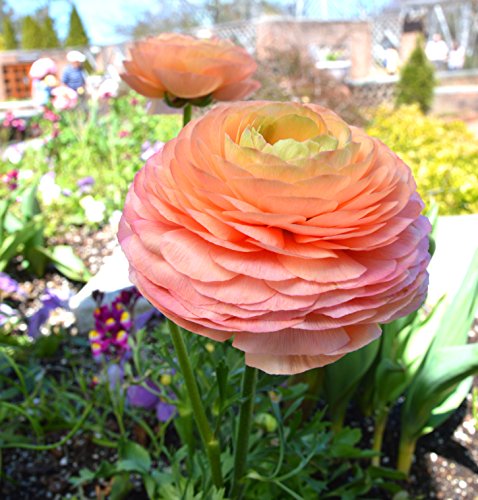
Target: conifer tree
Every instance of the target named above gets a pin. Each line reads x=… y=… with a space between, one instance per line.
x=77 y=36
x=417 y=80
x=32 y=36
x=50 y=37
x=10 y=41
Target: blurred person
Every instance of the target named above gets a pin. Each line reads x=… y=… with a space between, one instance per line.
x=456 y=57
x=437 y=52
x=74 y=75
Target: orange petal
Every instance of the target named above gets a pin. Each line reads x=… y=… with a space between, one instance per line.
x=287 y=365
x=292 y=342
x=187 y=85
x=142 y=86
x=236 y=91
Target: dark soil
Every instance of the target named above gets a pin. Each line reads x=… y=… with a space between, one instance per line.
x=446 y=465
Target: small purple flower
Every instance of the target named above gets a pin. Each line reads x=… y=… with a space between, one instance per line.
x=8 y=284
x=141 y=397
x=85 y=184
x=51 y=300
x=164 y=411
x=114 y=374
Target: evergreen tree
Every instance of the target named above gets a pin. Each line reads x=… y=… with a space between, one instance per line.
x=10 y=41
x=77 y=36
x=417 y=80
x=50 y=38
x=32 y=36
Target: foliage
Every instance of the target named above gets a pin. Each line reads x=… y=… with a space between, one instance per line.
x=32 y=35
x=77 y=36
x=417 y=80
x=442 y=155
x=423 y=357
x=113 y=136
x=22 y=227
x=10 y=41
x=50 y=37
x=288 y=455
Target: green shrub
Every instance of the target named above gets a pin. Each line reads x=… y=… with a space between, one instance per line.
x=417 y=80
x=442 y=155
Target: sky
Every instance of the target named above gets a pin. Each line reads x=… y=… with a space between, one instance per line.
x=100 y=17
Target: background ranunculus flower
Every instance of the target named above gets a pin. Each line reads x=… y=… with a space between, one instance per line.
x=279 y=225
x=190 y=68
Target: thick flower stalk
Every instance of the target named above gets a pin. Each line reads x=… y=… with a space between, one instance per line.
x=182 y=69
x=277 y=225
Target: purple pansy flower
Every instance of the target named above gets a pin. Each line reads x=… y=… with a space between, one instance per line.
x=8 y=284
x=51 y=300
x=164 y=411
x=141 y=397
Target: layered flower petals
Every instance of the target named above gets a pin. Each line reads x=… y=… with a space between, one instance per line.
x=190 y=68
x=281 y=227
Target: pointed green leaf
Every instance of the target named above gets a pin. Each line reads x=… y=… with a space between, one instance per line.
x=29 y=202
x=449 y=405
x=437 y=379
x=67 y=262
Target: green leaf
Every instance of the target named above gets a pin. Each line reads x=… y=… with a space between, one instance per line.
x=120 y=487
x=12 y=223
x=436 y=381
x=342 y=377
x=36 y=258
x=449 y=405
x=11 y=244
x=67 y=262
x=133 y=457
x=29 y=203
x=390 y=382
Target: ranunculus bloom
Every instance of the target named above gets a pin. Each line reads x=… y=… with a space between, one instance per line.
x=190 y=68
x=280 y=226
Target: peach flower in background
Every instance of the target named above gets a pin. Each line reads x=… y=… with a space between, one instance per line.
x=190 y=68
x=64 y=97
x=279 y=226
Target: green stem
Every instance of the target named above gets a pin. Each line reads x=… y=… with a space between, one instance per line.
x=249 y=380
x=337 y=417
x=405 y=455
x=380 y=424
x=209 y=440
x=187 y=114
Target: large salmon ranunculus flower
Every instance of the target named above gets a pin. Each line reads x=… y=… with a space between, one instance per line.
x=279 y=225
x=190 y=68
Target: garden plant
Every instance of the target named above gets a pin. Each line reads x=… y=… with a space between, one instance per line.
x=283 y=255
